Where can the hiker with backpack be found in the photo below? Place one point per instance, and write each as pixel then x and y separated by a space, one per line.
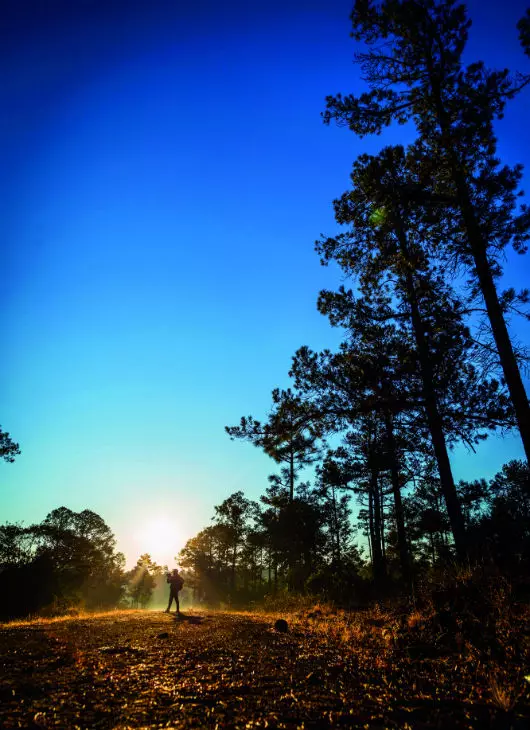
pixel 176 583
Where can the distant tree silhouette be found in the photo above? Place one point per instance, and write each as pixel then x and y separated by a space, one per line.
pixel 270 523
pixel 365 376
pixel 287 437
pixel 233 514
pixel 336 515
pixel 473 498
pixel 17 545
pixel 336 577
pixel 208 559
pixel 141 580
pixel 68 560
pixel 281 545
pixel 361 466
pixel 523 26
pixel 8 448
pixel 197 558
pixel 299 533
pixel 501 519
pixel 427 517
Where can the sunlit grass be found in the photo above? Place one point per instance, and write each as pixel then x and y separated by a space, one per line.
pixel 387 640
pixel 87 615
pixel 354 629
pixel 72 616
pixel 505 690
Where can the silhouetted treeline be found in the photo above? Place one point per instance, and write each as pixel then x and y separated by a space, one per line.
pixel 310 546
pixel 68 562
pixel 426 360
pixel 142 581
pixel 253 550
pixel 69 559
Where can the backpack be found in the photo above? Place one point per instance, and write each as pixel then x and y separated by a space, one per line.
pixel 176 581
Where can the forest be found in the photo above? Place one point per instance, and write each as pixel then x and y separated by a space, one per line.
pixel 67 563
pixel 363 504
pixel 426 361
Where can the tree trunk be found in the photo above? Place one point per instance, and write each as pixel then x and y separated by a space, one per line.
pixel 434 419
pixel 291 474
pixel 370 528
pixel 433 553
pixel 379 567
pixel 336 527
pixel 499 329
pixel 398 503
pixel 383 541
pixel 233 567
pixel 478 246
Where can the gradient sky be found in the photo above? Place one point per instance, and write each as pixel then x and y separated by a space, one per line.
pixel 165 172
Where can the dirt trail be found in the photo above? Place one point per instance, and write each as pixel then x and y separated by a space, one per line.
pixel 209 670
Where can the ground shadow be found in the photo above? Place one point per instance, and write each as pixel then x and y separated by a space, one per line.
pixel 188 618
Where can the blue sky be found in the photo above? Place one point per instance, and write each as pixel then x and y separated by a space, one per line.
pixel 165 174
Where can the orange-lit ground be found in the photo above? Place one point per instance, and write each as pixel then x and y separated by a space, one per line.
pixel 142 669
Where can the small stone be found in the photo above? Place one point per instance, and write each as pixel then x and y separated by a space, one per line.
pixel 281 626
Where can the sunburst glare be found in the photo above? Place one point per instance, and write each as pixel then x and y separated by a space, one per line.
pixel 159 536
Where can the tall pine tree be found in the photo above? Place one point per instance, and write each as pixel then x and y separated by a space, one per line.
pixel 413 65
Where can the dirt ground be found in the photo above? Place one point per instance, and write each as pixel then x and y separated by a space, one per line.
pixel 219 670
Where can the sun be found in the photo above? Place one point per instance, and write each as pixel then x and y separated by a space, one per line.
pixel 159 536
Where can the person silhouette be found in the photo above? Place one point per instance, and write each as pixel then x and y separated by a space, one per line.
pixel 175 585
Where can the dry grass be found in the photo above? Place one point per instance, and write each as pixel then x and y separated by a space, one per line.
pixel 384 663
pixel 505 691
pixel 70 616
pixel 355 630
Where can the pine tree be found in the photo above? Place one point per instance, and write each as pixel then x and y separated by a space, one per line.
pixel 287 437
pixel 523 26
pixel 414 68
pixel 365 376
pixel 234 513
pixel 8 448
pixel 389 248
